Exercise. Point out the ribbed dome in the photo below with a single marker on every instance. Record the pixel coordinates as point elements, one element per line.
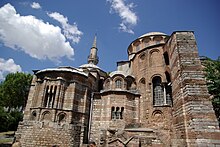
<point>152,33</point>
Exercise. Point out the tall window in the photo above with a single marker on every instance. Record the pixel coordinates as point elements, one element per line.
<point>117,113</point>
<point>113,113</point>
<point>166,58</point>
<point>168,95</point>
<point>49,97</point>
<point>158,93</point>
<point>162,92</point>
<point>168,89</point>
<point>118,83</point>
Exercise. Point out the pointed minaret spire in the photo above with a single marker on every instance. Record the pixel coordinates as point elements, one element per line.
<point>94,42</point>
<point>93,58</point>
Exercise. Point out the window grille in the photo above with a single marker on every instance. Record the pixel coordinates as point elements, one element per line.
<point>118,84</point>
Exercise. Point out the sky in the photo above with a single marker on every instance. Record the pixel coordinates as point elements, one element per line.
<point>41,34</point>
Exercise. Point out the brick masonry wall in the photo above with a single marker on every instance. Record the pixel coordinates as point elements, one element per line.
<point>194,120</point>
<point>35,133</point>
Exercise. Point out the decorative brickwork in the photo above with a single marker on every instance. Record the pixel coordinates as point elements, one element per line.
<point>157,98</point>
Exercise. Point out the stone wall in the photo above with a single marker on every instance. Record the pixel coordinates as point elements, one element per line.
<point>41,134</point>
<point>194,120</point>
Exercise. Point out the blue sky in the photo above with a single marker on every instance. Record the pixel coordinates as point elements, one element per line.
<point>41,34</point>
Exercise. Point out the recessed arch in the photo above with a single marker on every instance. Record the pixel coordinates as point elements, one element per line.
<point>61,117</point>
<point>107,84</point>
<point>46,115</point>
<point>157,115</point>
<point>155,57</point>
<point>33,115</point>
<point>146,41</point>
<point>157,39</point>
<point>130,83</point>
<point>142,85</point>
<point>142,56</point>
<point>137,45</point>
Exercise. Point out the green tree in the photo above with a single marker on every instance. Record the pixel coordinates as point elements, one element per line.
<point>14,90</point>
<point>13,96</point>
<point>212,69</point>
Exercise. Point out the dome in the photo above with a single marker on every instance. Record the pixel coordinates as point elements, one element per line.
<point>63,69</point>
<point>152,33</point>
<point>89,66</point>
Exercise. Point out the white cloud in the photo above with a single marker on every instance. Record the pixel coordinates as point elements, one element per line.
<point>8,66</point>
<point>129,18</point>
<point>70,31</point>
<point>38,39</point>
<point>35,5</point>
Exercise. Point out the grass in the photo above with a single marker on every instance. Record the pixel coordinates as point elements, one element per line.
<point>4,137</point>
<point>7,133</point>
<point>6,140</point>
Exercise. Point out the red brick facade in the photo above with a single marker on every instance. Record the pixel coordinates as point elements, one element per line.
<point>156,98</point>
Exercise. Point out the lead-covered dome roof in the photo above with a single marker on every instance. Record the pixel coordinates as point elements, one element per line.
<point>152,33</point>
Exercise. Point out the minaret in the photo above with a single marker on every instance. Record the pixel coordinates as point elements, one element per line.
<point>93,58</point>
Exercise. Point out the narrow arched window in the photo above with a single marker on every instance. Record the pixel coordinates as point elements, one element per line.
<point>118,83</point>
<point>168,89</point>
<point>50,96</point>
<point>166,58</point>
<point>46,96</point>
<point>158,93</point>
<point>121,113</point>
<point>113,113</point>
<point>117,112</point>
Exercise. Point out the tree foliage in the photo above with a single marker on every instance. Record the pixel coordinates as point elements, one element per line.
<point>13,96</point>
<point>212,69</point>
<point>14,90</point>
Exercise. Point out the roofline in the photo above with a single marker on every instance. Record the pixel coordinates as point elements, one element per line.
<point>73,70</point>
<point>174,32</point>
<point>145,36</point>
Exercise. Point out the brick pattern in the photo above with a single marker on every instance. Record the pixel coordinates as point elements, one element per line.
<point>193,117</point>
<point>83,111</point>
<point>66,122</point>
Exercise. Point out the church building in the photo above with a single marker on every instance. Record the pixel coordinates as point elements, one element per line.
<point>158,97</point>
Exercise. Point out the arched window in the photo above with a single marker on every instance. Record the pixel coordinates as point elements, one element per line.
<point>118,83</point>
<point>117,112</point>
<point>113,113</point>
<point>168,89</point>
<point>50,96</point>
<point>61,117</point>
<point>46,97</point>
<point>121,113</point>
<point>158,93</point>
